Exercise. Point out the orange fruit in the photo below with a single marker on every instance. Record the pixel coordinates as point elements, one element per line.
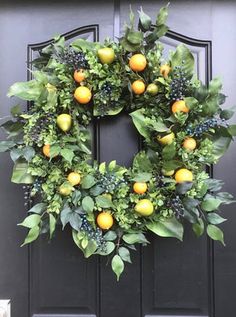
<point>105,220</point>
<point>138,87</point>
<point>164,70</point>
<point>74,178</point>
<point>189,144</point>
<point>79,75</point>
<point>179,106</point>
<point>46,150</point>
<point>183,175</point>
<point>83,94</point>
<point>140,188</point>
<point>138,62</point>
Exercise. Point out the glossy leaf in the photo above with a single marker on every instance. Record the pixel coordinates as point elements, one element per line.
<point>88,204</point>
<point>31,221</point>
<point>132,238</point>
<point>32,235</point>
<point>117,265</point>
<point>215,219</point>
<point>52,224</point>
<point>215,233</point>
<point>167,228</point>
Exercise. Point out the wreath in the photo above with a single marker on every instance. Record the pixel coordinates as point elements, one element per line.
<point>109,208</point>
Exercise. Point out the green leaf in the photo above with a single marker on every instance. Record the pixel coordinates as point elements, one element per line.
<point>171,165</point>
<point>20,173</point>
<point>158,125</point>
<point>30,90</point>
<point>169,152</point>
<point>232,129</point>
<point>90,248</point>
<point>88,204</point>
<point>67,154</point>
<point>220,146</point>
<point>145,20</point>
<point>15,154</point>
<point>142,177</point>
<point>112,165</point>
<point>210,203</point>
<point>38,208</point>
<point>31,221</point>
<point>75,221</point>
<point>6,145</point>
<point>54,150</point>
<point>129,47</point>
<point>184,187</point>
<point>109,247</point>
<point>191,102</point>
<point>226,198</point>
<point>65,215</point>
<point>167,228</point>
<point>110,236</point>
<point>135,37</point>
<point>28,153</point>
<point>96,190</point>
<point>215,86</point>
<point>88,181</point>
<point>142,163</point>
<point>132,238</point>
<point>103,202</point>
<point>198,227</point>
<point>215,233</point>
<point>102,167</point>
<point>12,128</point>
<point>215,219</point>
<point>117,265</point>
<point>52,224</point>
<point>227,114</point>
<point>16,110</point>
<point>84,45</point>
<point>162,16</point>
<point>139,121</point>
<point>32,235</point>
<point>214,185</point>
<point>181,54</point>
<point>124,254</point>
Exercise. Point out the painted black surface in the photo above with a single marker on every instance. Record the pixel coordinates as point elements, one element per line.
<point>52,279</point>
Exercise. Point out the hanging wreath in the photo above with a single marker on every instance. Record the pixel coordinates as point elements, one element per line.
<point>109,208</point>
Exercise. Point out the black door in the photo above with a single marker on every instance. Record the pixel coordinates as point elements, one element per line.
<point>167,278</point>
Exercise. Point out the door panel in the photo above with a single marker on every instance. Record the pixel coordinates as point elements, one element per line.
<point>167,278</point>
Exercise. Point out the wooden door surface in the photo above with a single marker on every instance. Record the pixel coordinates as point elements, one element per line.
<point>167,278</point>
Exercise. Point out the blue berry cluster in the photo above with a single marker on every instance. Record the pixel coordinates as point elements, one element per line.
<point>41,124</point>
<point>37,186</point>
<point>179,84</point>
<point>95,234</point>
<point>176,205</point>
<point>202,127</point>
<point>109,182</point>
<point>75,59</point>
<point>159,180</point>
<point>104,98</point>
<point>27,195</point>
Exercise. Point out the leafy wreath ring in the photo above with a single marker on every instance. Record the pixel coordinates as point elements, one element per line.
<point>109,208</point>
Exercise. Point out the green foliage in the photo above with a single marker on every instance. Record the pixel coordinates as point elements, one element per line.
<point>107,186</point>
<point>117,265</point>
<point>167,228</point>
